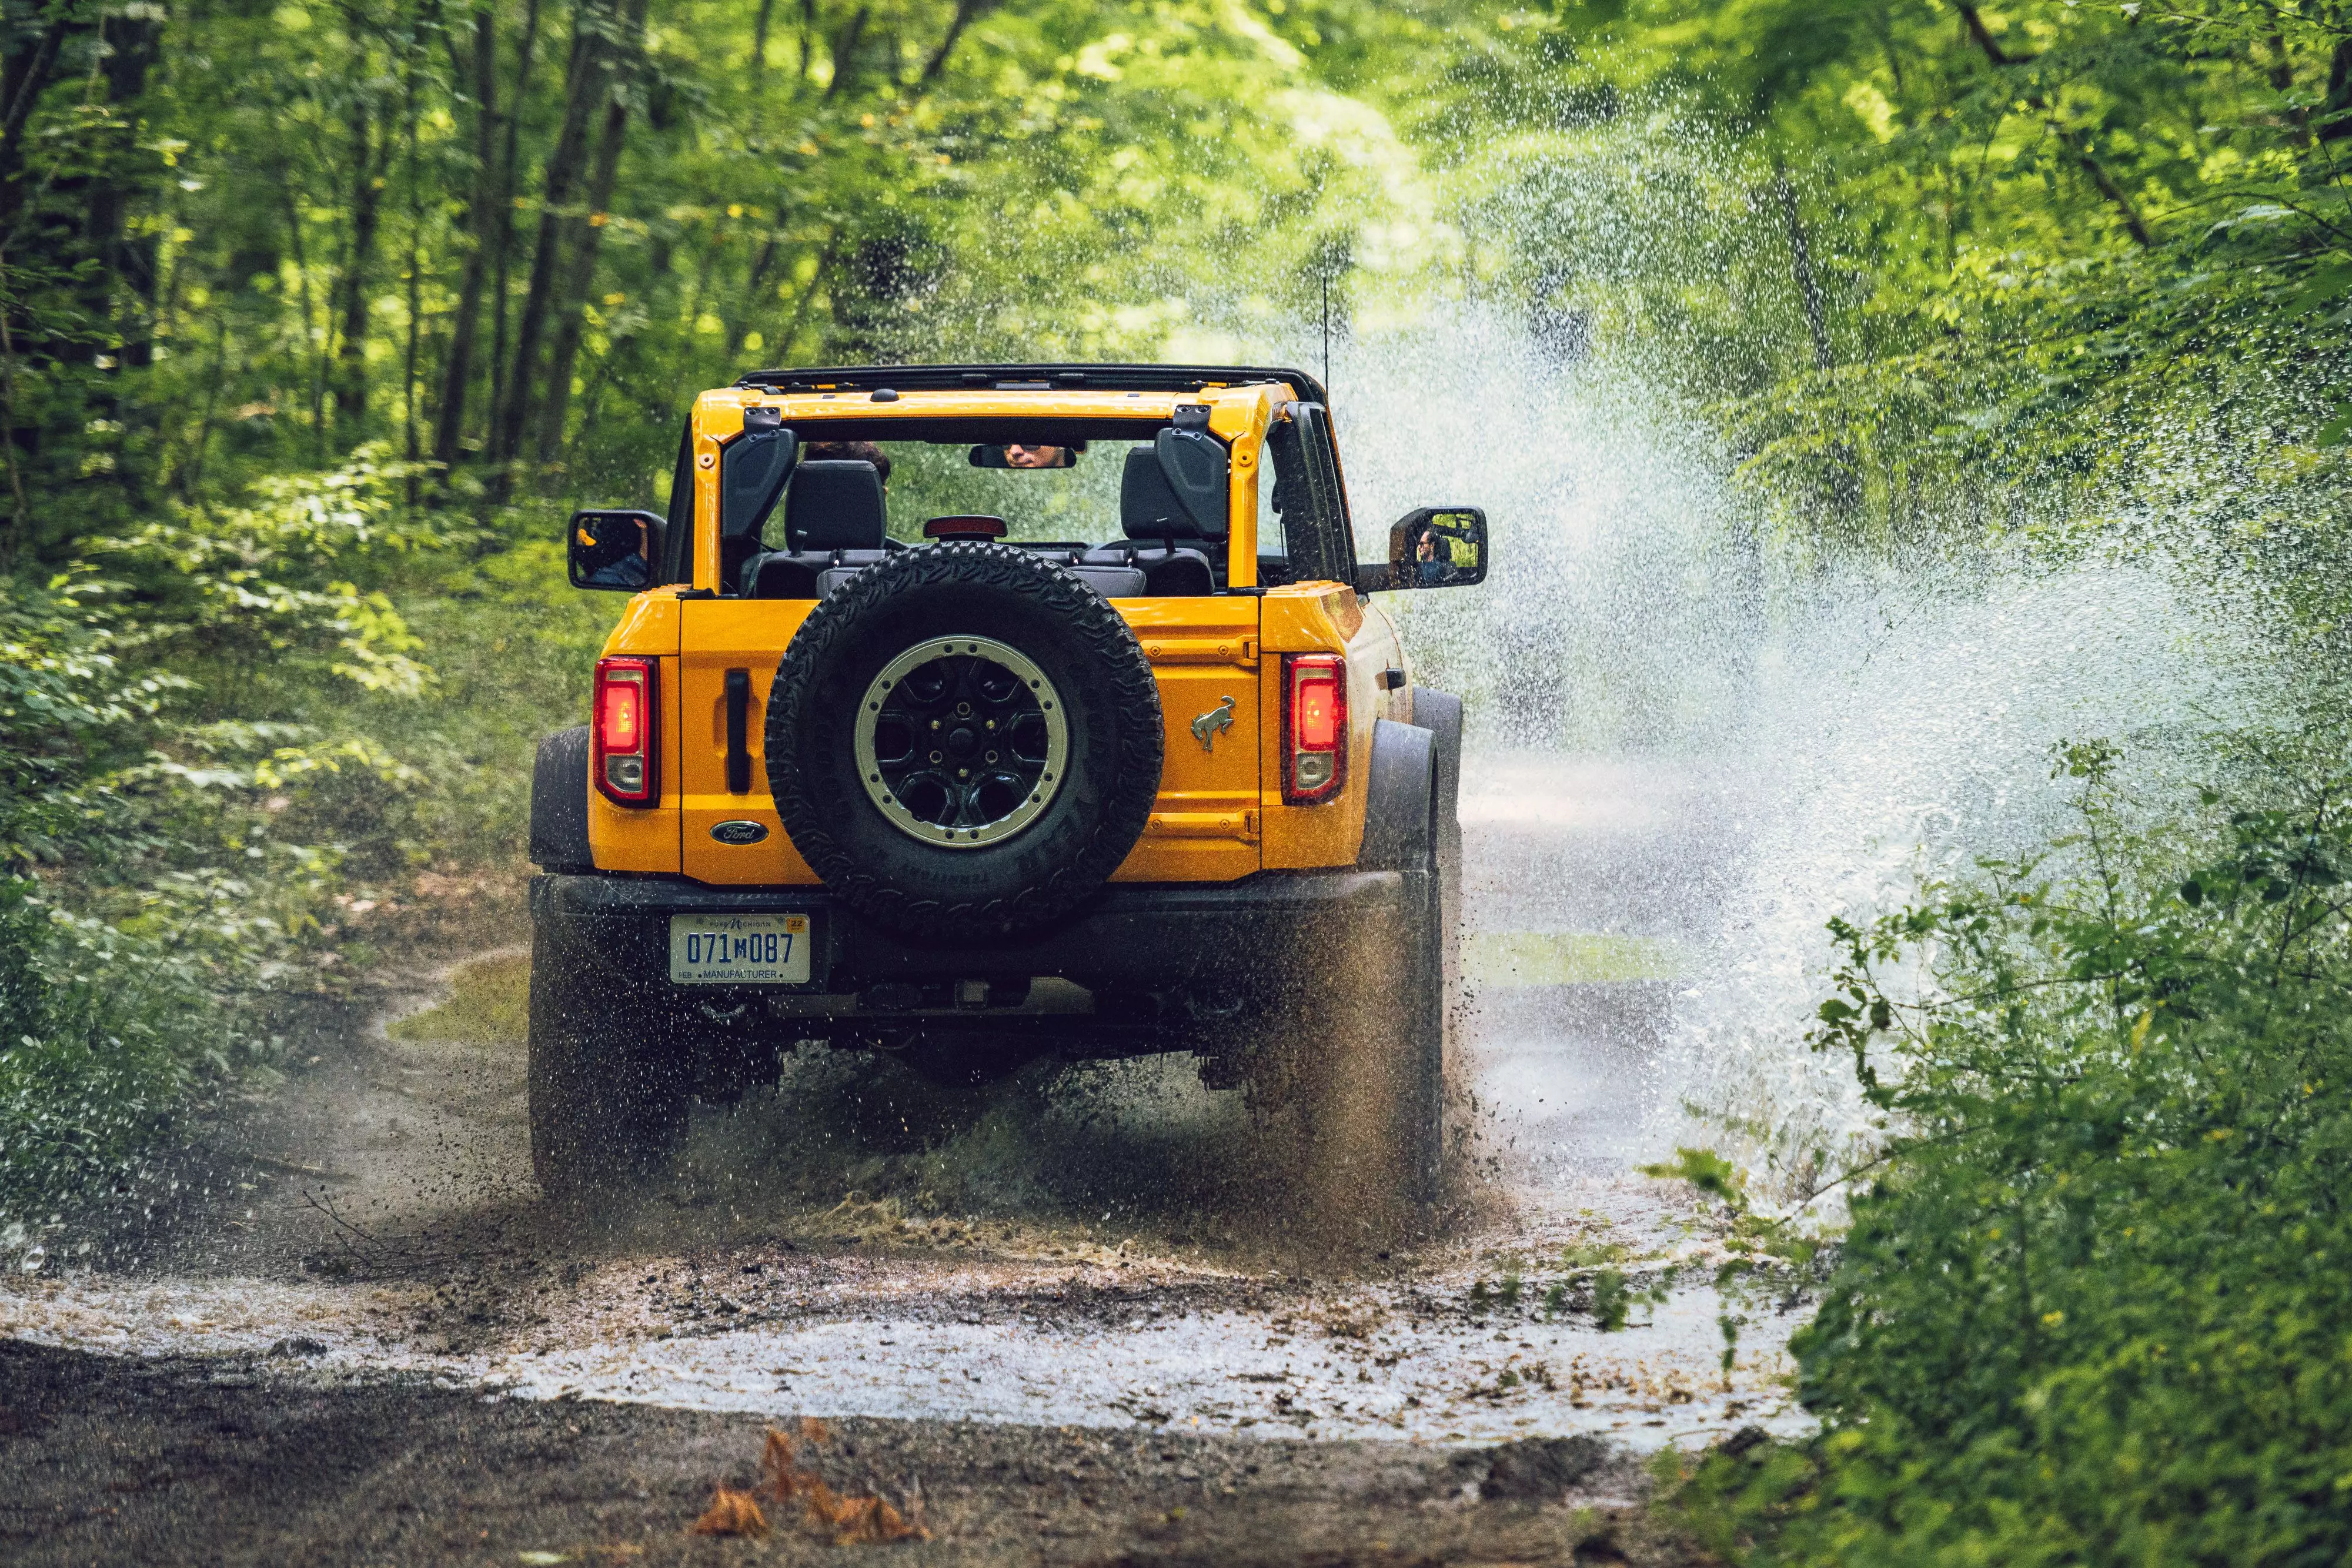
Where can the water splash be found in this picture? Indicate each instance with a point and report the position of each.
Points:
(1898, 731)
(1771, 744)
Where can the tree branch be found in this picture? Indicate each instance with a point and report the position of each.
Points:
(1984, 38)
(966, 12)
(2035, 99)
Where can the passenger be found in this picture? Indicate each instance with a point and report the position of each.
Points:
(849, 452)
(1434, 567)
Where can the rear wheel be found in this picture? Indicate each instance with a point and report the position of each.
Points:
(1348, 1078)
(608, 1106)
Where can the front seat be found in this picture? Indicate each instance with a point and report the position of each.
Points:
(835, 525)
(1150, 510)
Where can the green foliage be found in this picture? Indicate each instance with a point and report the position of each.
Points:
(2093, 1308)
(1958, 269)
(213, 743)
(509, 240)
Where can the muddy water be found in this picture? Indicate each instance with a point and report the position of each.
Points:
(1079, 1250)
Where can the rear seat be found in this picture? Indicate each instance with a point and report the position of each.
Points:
(834, 526)
(1149, 510)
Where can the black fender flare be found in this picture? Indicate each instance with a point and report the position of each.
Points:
(559, 803)
(1400, 788)
(1440, 712)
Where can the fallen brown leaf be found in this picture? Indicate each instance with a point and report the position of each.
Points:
(852, 1520)
(732, 1513)
(869, 1521)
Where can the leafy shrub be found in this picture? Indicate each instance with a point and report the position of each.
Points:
(211, 731)
(2097, 1308)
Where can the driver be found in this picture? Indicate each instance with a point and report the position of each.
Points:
(1021, 455)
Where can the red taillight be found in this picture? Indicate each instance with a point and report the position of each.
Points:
(1314, 726)
(625, 716)
(626, 731)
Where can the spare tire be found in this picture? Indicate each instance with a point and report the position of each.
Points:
(963, 740)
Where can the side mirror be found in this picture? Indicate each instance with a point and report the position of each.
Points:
(614, 551)
(1020, 454)
(1436, 547)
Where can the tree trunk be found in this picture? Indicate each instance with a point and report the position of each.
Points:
(759, 24)
(311, 323)
(350, 368)
(1800, 266)
(966, 13)
(2335, 114)
(26, 74)
(126, 263)
(457, 364)
(843, 49)
(586, 87)
(411, 430)
(502, 239)
(587, 233)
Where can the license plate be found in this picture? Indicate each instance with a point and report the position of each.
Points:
(739, 949)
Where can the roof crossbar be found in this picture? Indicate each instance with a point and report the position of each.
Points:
(1040, 378)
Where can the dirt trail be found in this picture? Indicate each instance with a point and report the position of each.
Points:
(1030, 1294)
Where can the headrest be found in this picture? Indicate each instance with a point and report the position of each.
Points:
(834, 504)
(1174, 488)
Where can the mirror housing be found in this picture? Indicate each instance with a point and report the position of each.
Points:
(999, 454)
(1435, 547)
(614, 551)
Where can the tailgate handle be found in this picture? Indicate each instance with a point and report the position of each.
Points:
(738, 744)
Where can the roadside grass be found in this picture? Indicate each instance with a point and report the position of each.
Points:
(488, 1003)
(1569, 958)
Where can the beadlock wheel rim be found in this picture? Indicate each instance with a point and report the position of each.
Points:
(961, 742)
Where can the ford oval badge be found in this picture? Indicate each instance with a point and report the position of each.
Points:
(739, 832)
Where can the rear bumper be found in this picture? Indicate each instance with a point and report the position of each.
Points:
(1153, 956)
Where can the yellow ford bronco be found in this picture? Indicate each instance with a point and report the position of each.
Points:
(892, 749)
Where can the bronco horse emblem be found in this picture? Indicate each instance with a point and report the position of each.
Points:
(1205, 727)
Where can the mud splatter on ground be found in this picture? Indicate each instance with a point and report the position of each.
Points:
(1077, 1264)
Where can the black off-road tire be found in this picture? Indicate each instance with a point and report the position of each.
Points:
(1421, 1023)
(1111, 704)
(1353, 1076)
(608, 1105)
(1441, 1120)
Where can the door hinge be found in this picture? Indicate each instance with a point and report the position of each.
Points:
(1242, 825)
(1201, 650)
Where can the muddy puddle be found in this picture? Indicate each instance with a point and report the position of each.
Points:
(1089, 1248)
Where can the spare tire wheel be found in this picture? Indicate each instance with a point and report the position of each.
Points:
(963, 740)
